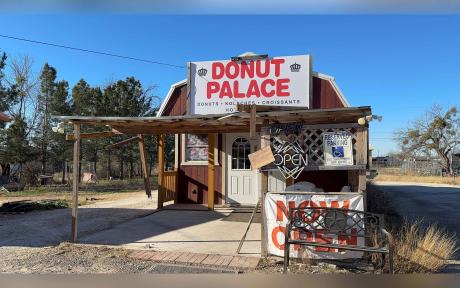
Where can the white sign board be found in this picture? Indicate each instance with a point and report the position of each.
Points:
(217, 86)
(338, 148)
(276, 211)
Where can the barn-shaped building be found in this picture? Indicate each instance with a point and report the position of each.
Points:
(235, 182)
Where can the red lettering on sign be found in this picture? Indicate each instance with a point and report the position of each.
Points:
(281, 209)
(281, 86)
(266, 69)
(253, 89)
(218, 70)
(212, 87)
(226, 91)
(277, 63)
(282, 230)
(275, 231)
(236, 92)
(231, 70)
(320, 238)
(349, 240)
(263, 87)
(247, 69)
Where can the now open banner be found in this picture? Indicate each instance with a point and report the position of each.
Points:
(217, 86)
(276, 217)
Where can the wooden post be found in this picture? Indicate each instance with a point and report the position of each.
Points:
(252, 122)
(145, 170)
(211, 188)
(361, 157)
(76, 180)
(289, 181)
(264, 142)
(161, 168)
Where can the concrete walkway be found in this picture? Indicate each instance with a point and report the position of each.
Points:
(210, 232)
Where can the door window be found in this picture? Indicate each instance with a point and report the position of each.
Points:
(241, 148)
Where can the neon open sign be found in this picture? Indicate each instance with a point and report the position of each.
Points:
(290, 159)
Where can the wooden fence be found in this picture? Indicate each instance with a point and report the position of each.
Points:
(169, 187)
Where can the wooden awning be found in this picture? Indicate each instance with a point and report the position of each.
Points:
(222, 123)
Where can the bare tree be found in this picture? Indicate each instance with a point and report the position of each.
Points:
(437, 132)
(26, 82)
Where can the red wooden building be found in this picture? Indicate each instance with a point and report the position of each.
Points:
(235, 182)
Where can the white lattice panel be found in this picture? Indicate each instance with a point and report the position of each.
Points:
(311, 140)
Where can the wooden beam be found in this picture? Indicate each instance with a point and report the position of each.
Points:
(252, 122)
(211, 188)
(361, 157)
(76, 180)
(289, 181)
(121, 143)
(264, 142)
(145, 170)
(161, 168)
(71, 137)
(265, 108)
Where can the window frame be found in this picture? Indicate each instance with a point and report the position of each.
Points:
(186, 162)
(231, 154)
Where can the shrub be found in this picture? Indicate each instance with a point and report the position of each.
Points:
(420, 249)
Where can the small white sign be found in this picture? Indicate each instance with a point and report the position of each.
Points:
(216, 87)
(338, 148)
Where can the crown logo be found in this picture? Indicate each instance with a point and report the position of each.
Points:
(202, 72)
(295, 67)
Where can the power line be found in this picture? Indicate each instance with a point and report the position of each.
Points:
(91, 51)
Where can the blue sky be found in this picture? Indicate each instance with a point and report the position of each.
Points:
(399, 65)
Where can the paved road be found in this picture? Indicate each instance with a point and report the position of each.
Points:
(432, 202)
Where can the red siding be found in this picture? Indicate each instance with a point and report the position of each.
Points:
(177, 104)
(324, 95)
(193, 180)
(193, 184)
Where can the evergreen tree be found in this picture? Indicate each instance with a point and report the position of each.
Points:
(47, 89)
(60, 149)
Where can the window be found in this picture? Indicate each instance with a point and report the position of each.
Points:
(196, 147)
(241, 148)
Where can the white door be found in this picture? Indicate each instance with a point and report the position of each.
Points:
(241, 180)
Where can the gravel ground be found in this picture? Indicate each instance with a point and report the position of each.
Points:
(275, 265)
(51, 227)
(68, 258)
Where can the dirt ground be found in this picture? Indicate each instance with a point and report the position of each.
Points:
(68, 258)
(45, 228)
(85, 198)
(394, 175)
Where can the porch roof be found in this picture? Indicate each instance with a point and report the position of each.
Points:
(220, 123)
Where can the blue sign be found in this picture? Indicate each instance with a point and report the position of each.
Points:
(337, 152)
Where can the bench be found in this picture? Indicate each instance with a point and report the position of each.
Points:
(312, 222)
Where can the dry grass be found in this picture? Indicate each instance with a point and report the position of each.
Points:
(422, 250)
(394, 175)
